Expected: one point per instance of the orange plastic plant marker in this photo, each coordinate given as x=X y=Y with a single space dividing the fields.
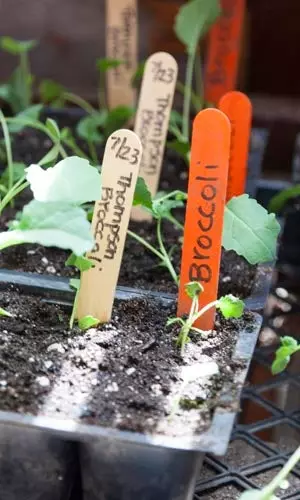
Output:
x=237 y=106
x=202 y=240
x=224 y=49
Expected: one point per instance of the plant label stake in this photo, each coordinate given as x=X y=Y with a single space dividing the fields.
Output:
x=237 y=106
x=121 y=44
x=202 y=241
x=120 y=169
x=152 y=119
x=224 y=49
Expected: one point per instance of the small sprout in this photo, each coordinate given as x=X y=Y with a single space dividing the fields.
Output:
x=88 y=322
x=230 y=307
x=80 y=262
x=3 y=312
x=288 y=347
x=193 y=289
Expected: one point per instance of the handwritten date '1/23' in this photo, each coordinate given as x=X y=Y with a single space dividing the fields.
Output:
x=161 y=74
x=125 y=152
x=202 y=250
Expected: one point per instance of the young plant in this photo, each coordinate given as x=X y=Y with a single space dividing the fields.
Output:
x=192 y=22
x=17 y=92
x=229 y=306
x=248 y=228
x=288 y=347
x=280 y=200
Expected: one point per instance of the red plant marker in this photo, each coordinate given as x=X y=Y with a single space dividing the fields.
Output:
x=224 y=48
x=237 y=106
x=202 y=240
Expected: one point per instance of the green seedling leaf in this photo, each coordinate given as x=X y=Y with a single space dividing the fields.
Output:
x=80 y=262
x=18 y=173
x=193 y=289
x=194 y=20
x=88 y=322
x=142 y=195
x=182 y=148
x=30 y=114
x=74 y=283
x=250 y=230
x=5 y=92
x=283 y=354
x=53 y=128
x=16 y=47
x=3 y=312
x=172 y=321
x=138 y=75
x=161 y=208
x=72 y=180
x=175 y=118
x=278 y=202
x=106 y=64
x=231 y=306
x=117 y=118
x=51 y=92
x=88 y=127
x=52 y=225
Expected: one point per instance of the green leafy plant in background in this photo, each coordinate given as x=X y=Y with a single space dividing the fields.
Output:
x=279 y=201
x=17 y=92
x=288 y=347
x=229 y=306
x=192 y=22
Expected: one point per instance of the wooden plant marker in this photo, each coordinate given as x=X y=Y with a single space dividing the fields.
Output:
x=120 y=170
x=224 y=51
x=201 y=252
x=121 y=43
x=237 y=106
x=152 y=119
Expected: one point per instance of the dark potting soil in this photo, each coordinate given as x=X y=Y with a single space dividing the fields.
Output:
x=126 y=374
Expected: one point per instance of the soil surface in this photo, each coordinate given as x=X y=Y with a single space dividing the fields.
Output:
x=126 y=374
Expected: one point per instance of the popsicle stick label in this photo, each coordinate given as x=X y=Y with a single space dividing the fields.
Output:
x=121 y=43
x=224 y=51
x=201 y=252
x=152 y=119
x=237 y=107
x=120 y=169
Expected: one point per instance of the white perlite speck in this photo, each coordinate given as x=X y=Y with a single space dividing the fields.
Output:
x=43 y=381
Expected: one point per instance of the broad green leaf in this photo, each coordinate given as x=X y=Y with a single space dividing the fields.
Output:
x=80 y=262
x=142 y=195
x=3 y=312
x=117 y=118
x=193 y=289
x=50 y=91
x=53 y=128
x=88 y=322
x=16 y=47
x=53 y=225
x=88 y=127
x=250 y=230
x=106 y=64
x=193 y=21
x=32 y=113
x=72 y=180
x=278 y=202
x=231 y=306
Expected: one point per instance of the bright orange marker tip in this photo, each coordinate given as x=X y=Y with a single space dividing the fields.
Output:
x=237 y=106
x=201 y=252
x=224 y=50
